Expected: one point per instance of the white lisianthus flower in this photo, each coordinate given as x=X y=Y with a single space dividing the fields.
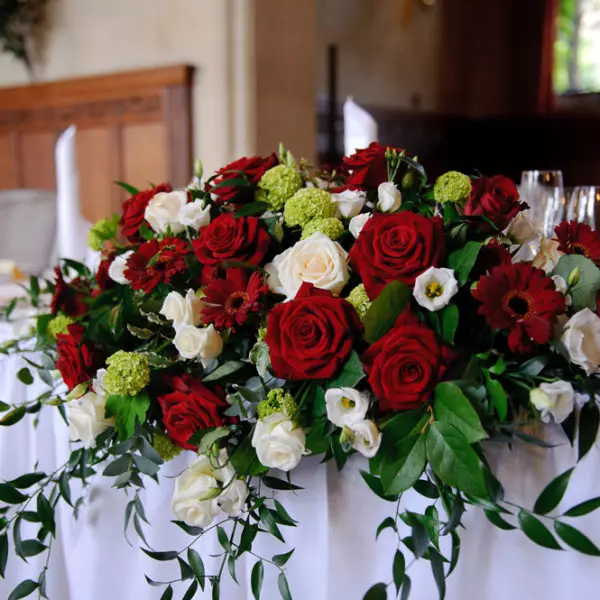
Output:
x=389 y=197
x=581 y=338
x=279 y=443
x=183 y=311
x=562 y=286
x=86 y=418
x=163 y=210
x=232 y=500
x=349 y=202
x=317 y=260
x=365 y=437
x=346 y=406
x=434 y=288
x=117 y=268
x=555 y=400
x=192 y=342
x=357 y=223
x=194 y=215
x=548 y=255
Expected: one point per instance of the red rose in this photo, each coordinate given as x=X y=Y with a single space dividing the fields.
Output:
x=406 y=364
x=578 y=238
x=496 y=198
x=69 y=297
x=252 y=169
x=76 y=360
x=134 y=209
x=228 y=238
x=396 y=247
x=311 y=336
x=103 y=280
x=368 y=167
x=191 y=407
x=156 y=261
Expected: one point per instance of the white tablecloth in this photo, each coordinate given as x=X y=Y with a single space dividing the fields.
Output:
x=336 y=555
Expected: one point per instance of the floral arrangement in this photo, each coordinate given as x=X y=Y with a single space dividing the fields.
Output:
x=276 y=311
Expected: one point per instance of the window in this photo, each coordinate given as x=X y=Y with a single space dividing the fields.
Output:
x=577 y=47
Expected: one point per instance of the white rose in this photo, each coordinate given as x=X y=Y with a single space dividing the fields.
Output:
x=193 y=342
x=182 y=311
x=366 y=438
x=389 y=197
x=581 y=338
x=117 y=268
x=232 y=500
x=434 y=288
x=194 y=215
x=279 y=443
x=349 y=202
x=357 y=223
x=86 y=418
x=548 y=255
x=98 y=382
x=554 y=399
x=317 y=260
x=195 y=497
x=346 y=406
x=162 y=211
x=521 y=229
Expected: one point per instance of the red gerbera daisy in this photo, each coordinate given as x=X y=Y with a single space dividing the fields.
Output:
x=522 y=300
x=578 y=238
x=156 y=261
x=69 y=297
x=230 y=300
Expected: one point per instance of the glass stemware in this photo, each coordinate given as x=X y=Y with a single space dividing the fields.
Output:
x=544 y=193
x=582 y=204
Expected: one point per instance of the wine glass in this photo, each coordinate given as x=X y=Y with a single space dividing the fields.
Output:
x=544 y=193
x=582 y=205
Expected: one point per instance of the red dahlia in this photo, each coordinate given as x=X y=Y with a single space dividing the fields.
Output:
x=134 y=209
x=230 y=300
x=156 y=261
x=69 y=297
x=578 y=238
x=522 y=300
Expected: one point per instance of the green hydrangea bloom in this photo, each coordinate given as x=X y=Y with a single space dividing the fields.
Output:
x=278 y=400
x=331 y=227
x=452 y=187
x=359 y=299
x=308 y=204
x=262 y=332
x=105 y=229
x=128 y=373
x=278 y=185
x=165 y=448
x=58 y=325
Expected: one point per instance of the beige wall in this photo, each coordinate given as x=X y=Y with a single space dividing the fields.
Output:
x=386 y=57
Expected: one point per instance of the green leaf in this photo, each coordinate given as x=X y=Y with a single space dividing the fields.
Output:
x=497 y=394
x=3 y=554
x=574 y=538
x=225 y=369
x=584 y=508
x=145 y=465
x=279 y=484
x=284 y=588
x=453 y=459
x=463 y=261
x=495 y=519
x=168 y=594
x=128 y=410
x=231 y=567
x=224 y=540
x=128 y=188
x=207 y=437
x=32 y=548
x=244 y=459
x=161 y=556
x=589 y=421
x=584 y=293
x=375 y=486
x=533 y=367
x=191 y=591
x=118 y=467
x=256 y=579
x=25 y=481
x=552 y=494
x=24 y=376
x=400 y=471
x=216 y=589
x=281 y=559
x=252 y=208
x=10 y=495
x=385 y=309
x=452 y=406
x=427 y=489
x=64 y=488
x=283 y=515
x=536 y=531
x=46 y=513
x=269 y=522
x=398 y=570
x=449 y=317
x=24 y=589
x=351 y=373
x=185 y=569
x=12 y=417
x=387 y=523
x=377 y=592
x=197 y=566
x=437 y=568
x=406 y=588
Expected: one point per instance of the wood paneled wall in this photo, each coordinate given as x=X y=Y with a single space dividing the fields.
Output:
x=134 y=127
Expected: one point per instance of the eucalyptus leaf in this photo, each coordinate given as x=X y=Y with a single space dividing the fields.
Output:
x=224 y=370
x=585 y=291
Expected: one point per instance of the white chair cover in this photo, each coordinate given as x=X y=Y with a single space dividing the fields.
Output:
x=360 y=128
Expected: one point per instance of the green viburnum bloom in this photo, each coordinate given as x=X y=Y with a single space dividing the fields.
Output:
x=331 y=227
x=359 y=299
x=262 y=332
x=165 y=448
x=58 y=325
x=278 y=400
x=104 y=229
x=278 y=185
x=452 y=187
x=308 y=204
x=128 y=374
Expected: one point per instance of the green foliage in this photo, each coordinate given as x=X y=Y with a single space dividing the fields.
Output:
x=351 y=374
x=451 y=406
x=385 y=309
x=584 y=293
x=127 y=410
x=552 y=494
x=463 y=261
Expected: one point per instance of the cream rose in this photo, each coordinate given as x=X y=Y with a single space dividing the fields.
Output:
x=279 y=443
x=194 y=215
x=389 y=197
x=317 y=260
x=117 y=268
x=434 y=288
x=346 y=406
x=548 y=255
x=357 y=223
x=232 y=500
x=581 y=338
x=86 y=418
x=162 y=211
x=555 y=400
x=349 y=202
x=194 y=342
x=182 y=311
